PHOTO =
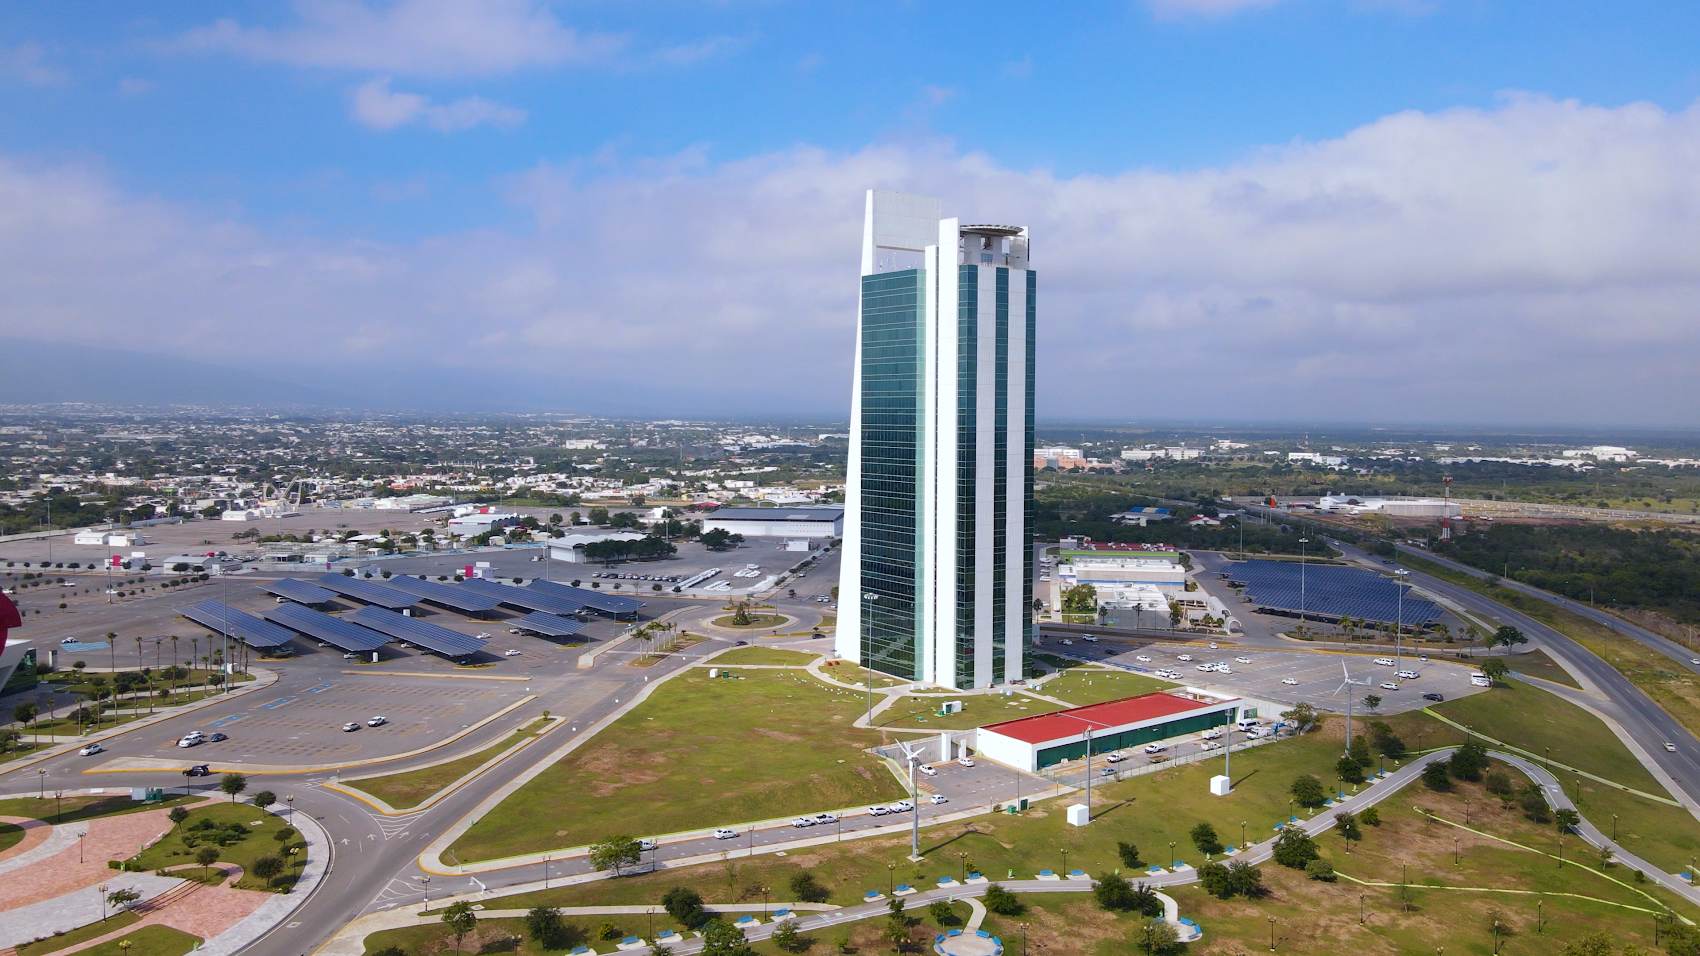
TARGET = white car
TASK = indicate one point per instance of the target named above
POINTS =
(511, 652)
(1387, 662)
(1114, 758)
(1210, 745)
(192, 740)
(965, 761)
(1407, 675)
(1205, 667)
(1184, 657)
(1389, 685)
(878, 811)
(646, 844)
(1242, 660)
(1289, 681)
(725, 833)
(377, 722)
(1067, 642)
(803, 822)
(1089, 639)
(1156, 748)
(1224, 669)
(91, 750)
(1423, 658)
(929, 771)
(823, 818)
(938, 798)
(1214, 733)
(901, 806)
(1670, 746)
(1143, 659)
(1212, 645)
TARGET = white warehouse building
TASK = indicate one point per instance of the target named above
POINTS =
(778, 522)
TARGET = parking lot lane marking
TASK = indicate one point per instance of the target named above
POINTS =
(276, 703)
(222, 721)
(320, 688)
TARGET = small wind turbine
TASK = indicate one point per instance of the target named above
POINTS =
(1345, 685)
(915, 800)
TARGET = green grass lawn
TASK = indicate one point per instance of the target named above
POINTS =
(757, 622)
(413, 787)
(84, 807)
(153, 940)
(1538, 663)
(921, 713)
(10, 836)
(1533, 719)
(508, 935)
(174, 850)
(1080, 686)
(699, 752)
(81, 934)
(765, 655)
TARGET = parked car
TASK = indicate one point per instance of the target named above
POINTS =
(1407, 675)
(215, 738)
(1143, 659)
(1106, 771)
(801, 822)
(878, 811)
(725, 833)
(1387, 662)
(1389, 685)
(193, 740)
(511, 652)
(1214, 733)
(1212, 645)
(198, 770)
(1289, 681)
(1434, 697)
(350, 727)
(929, 771)
(1210, 745)
(1184, 657)
(901, 806)
(91, 750)
(1156, 748)
(826, 818)
(965, 761)
(1114, 758)
(646, 844)
(1089, 639)
(1242, 660)
(1067, 642)
(377, 722)
(938, 798)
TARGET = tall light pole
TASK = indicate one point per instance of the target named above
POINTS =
(1302, 543)
(1401, 580)
(868, 599)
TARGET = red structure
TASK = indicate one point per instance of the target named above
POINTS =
(9, 618)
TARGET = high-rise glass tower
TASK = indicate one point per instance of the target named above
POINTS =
(937, 580)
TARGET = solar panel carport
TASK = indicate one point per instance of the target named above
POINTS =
(368, 592)
(452, 596)
(299, 591)
(595, 600)
(1327, 591)
(221, 617)
(424, 634)
(523, 597)
(549, 625)
(332, 630)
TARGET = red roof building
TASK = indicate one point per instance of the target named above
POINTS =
(1033, 743)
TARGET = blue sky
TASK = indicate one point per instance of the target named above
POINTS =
(1288, 185)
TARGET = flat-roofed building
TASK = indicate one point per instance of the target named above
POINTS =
(778, 522)
(1034, 743)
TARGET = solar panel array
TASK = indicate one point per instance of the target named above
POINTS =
(448, 595)
(595, 600)
(549, 624)
(332, 630)
(523, 597)
(432, 637)
(299, 591)
(221, 617)
(1327, 591)
(368, 592)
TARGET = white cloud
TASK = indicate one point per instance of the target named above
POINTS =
(377, 106)
(411, 37)
(28, 62)
(1527, 263)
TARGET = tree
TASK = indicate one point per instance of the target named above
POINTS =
(1213, 877)
(1370, 817)
(1507, 637)
(1113, 892)
(1302, 716)
(1592, 944)
(1372, 701)
(23, 712)
(1534, 803)
(1347, 823)
(684, 905)
(1157, 937)
(1495, 670)
(719, 539)
(1320, 870)
(177, 816)
(805, 888)
(1245, 879)
(1080, 599)
(615, 852)
(1436, 776)
(722, 939)
(598, 515)
(206, 856)
(121, 899)
(268, 868)
(460, 919)
(1204, 837)
(1348, 769)
(264, 799)
(1566, 819)
(1145, 901)
(1294, 848)
(940, 912)
(1129, 854)
(1002, 901)
(1681, 940)
(1468, 761)
(233, 784)
(786, 938)
(546, 927)
(1308, 791)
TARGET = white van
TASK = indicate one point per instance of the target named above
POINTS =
(1480, 679)
(1247, 724)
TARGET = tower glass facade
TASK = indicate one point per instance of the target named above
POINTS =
(937, 577)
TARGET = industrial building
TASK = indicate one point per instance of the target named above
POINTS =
(570, 547)
(1130, 576)
(778, 522)
(937, 575)
(1034, 743)
(1393, 507)
(482, 520)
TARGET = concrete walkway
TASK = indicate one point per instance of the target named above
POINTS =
(77, 908)
(58, 840)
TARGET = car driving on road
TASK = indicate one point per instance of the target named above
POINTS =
(91, 750)
(350, 727)
(377, 722)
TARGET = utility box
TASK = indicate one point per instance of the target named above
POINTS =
(950, 707)
(714, 672)
(1079, 815)
(1220, 785)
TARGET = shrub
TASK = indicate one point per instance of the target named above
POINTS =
(1213, 877)
(1320, 870)
(1204, 837)
(1113, 892)
(1348, 769)
(1468, 761)
(1294, 848)
(805, 888)
(1370, 817)
(684, 905)
(1129, 854)
(1437, 776)
(1002, 901)
(1308, 791)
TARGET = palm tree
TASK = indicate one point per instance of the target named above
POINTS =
(138, 652)
(174, 640)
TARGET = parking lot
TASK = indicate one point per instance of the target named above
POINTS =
(1292, 677)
